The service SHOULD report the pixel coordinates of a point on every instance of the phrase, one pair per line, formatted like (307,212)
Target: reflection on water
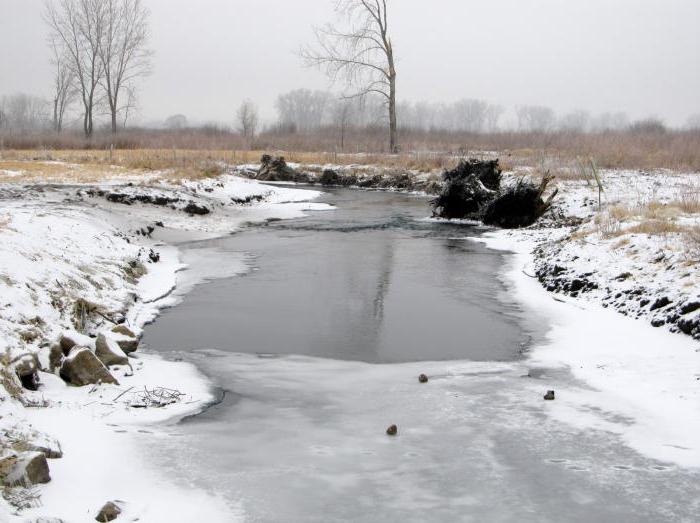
(372,281)
(303,439)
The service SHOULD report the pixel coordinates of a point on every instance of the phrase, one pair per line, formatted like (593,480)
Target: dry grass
(632,149)
(8,379)
(653,218)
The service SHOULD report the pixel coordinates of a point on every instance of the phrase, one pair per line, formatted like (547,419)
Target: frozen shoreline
(638,382)
(95,426)
(628,369)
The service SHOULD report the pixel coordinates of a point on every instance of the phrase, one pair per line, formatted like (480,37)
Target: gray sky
(637,56)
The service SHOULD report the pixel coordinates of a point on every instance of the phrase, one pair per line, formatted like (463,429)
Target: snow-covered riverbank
(64,245)
(612,287)
(112,247)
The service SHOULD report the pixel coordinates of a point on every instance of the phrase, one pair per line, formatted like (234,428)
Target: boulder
(393,430)
(55,357)
(125,338)
(70,339)
(24,469)
(109,512)
(109,352)
(549,396)
(48,446)
(423,378)
(81,367)
(27,369)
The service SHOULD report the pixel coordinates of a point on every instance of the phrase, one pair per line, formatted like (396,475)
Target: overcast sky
(637,56)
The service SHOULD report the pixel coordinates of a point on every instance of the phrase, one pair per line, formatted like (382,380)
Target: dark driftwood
(473,191)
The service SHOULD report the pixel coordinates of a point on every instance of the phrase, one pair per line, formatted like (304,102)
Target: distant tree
(577,121)
(123,52)
(361,54)
(535,118)
(493,117)
(693,122)
(343,114)
(247,119)
(24,113)
(610,122)
(650,125)
(176,122)
(303,109)
(63,84)
(79,26)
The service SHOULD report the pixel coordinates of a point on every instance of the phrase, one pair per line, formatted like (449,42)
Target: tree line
(99,51)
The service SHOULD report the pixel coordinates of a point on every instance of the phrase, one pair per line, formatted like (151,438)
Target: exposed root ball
(473,191)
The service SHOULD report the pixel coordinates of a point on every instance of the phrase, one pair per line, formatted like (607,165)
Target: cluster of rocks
(80,360)
(637,301)
(276,169)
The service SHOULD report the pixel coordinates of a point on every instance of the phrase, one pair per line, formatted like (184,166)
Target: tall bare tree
(361,54)
(63,84)
(248,119)
(78,25)
(123,52)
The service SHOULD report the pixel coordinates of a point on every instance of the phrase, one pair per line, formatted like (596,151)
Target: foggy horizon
(637,57)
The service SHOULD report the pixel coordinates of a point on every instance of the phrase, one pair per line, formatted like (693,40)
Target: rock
(549,396)
(55,357)
(194,209)
(70,339)
(109,512)
(423,378)
(660,303)
(109,352)
(125,338)
(329,177)
(81,367)
(576,285)
(26,367)
(49,447)
(392,430)
(689,307)
(24,469)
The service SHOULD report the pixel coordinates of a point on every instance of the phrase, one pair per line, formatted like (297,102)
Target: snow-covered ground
(605,328)
(65,244)
(113,247)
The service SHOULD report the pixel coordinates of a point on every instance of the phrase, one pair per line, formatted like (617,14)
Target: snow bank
(63,245)
(634,371)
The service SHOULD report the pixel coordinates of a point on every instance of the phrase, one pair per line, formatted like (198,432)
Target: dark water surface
(299,435)
(372,281)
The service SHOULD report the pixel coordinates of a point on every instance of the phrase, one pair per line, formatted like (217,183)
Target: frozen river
(317,350)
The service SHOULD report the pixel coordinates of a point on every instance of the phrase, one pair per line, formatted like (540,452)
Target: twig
(127,390)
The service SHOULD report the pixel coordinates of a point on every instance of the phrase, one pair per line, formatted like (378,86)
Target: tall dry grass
(677,150)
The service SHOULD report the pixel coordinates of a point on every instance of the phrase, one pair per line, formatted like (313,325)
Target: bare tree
(22,113)
(343,113)
(63,84)
(176,122)
(79,26)
(577,121)
(302,109)
(693,122)
(362,54)
(535,118)
(123,52)
(248,119)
